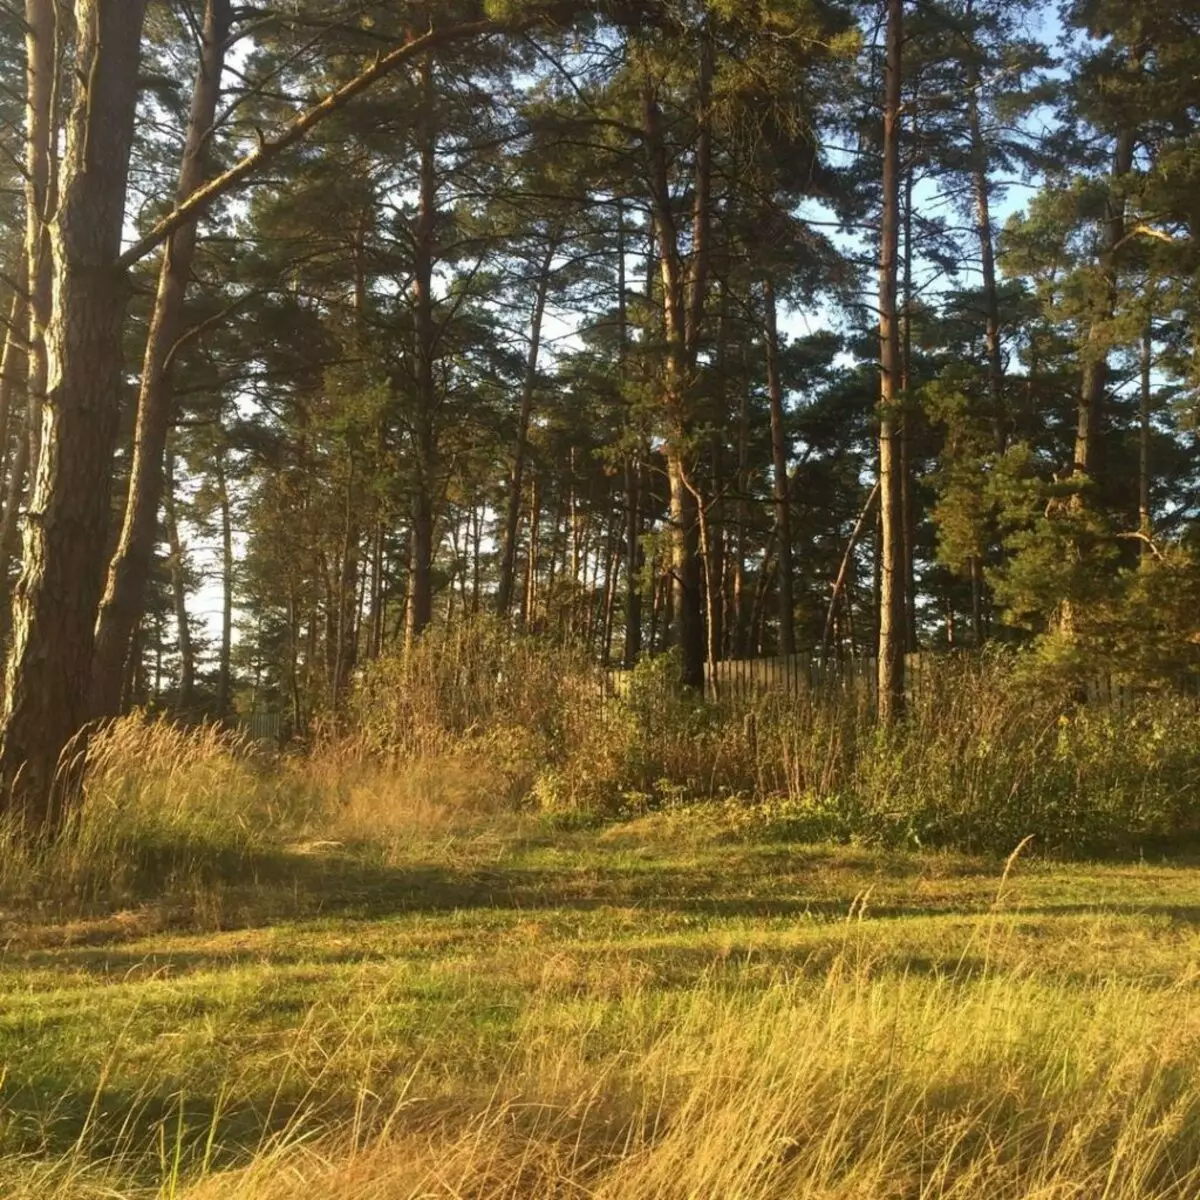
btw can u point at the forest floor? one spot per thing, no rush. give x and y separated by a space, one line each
655 1008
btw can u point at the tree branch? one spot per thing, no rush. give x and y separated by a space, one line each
270 148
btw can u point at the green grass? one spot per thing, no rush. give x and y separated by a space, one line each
486 1006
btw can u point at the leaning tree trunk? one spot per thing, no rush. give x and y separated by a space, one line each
129 572
54 613
892 634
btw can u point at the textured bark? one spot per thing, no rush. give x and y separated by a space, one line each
346 608
379 590
129 571
891 565
17 468
16 337
40 198
14 493
48 685
516 475
779 483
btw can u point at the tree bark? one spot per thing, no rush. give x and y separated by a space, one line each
129 570
16 468
780 489
48 687
16 338
890 662
908 414
41 73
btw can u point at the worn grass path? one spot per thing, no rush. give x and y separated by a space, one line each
487 977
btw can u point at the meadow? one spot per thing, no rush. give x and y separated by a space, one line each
436 997
448 970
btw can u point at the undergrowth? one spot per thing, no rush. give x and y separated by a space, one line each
990 750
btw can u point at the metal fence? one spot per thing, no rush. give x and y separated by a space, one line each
800 675
262 727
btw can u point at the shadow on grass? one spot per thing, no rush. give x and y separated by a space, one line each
227 890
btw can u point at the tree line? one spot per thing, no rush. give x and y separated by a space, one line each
741 327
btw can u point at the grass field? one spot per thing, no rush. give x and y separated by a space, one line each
486 1006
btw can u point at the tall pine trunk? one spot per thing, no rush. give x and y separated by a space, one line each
981 187
41 128
225 660
129 571
892 634
48 688
420 601
685 287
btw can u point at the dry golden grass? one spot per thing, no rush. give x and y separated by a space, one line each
278 979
